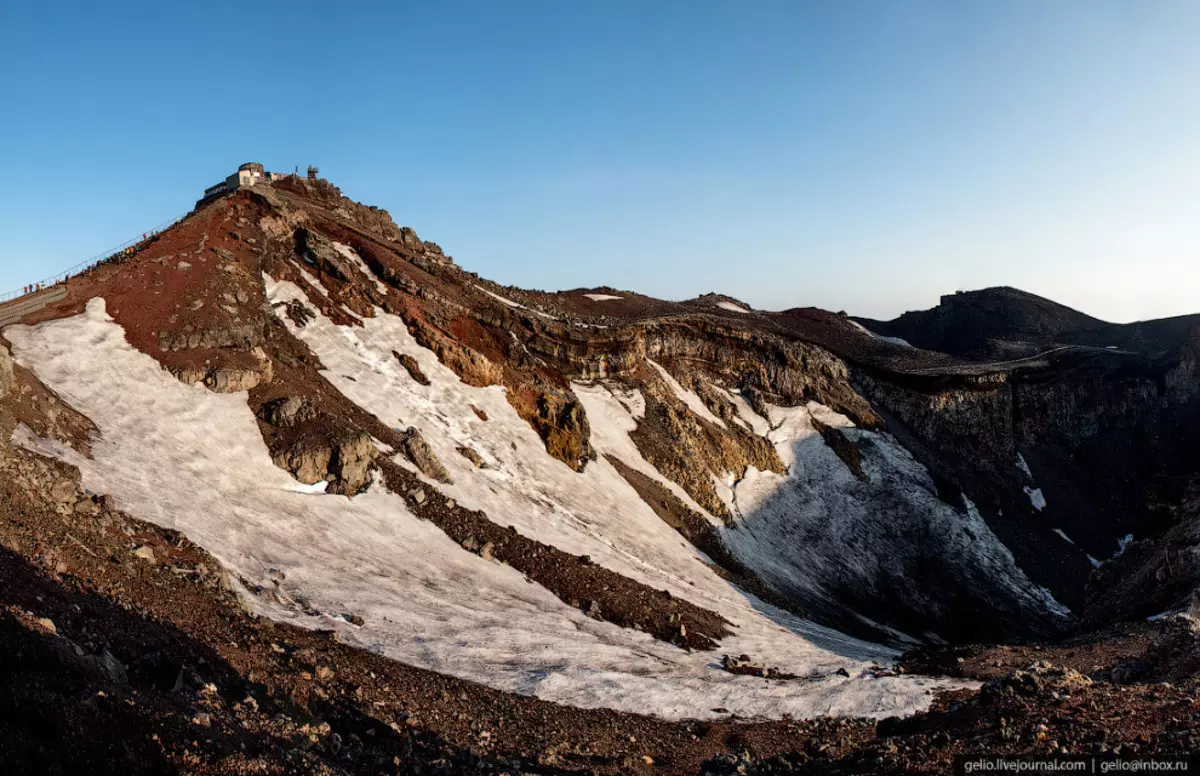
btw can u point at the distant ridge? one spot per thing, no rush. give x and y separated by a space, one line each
1003 322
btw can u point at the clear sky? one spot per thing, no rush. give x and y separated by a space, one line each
866 156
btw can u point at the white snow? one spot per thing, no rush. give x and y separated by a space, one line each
1035 497
499 298
732 307
693 402
1068 539
755 422
873 335
515 305
357 261
603 297
195 461
1176 612
630 399
818 526
1122 543
311 279
612 416
1023 466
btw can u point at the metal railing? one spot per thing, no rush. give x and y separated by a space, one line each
113 253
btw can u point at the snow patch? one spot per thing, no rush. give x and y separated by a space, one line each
818 528
873 335
515 305
603 297
694 402
499 298
1023 466
357 261
1095 563
732 307
1035 497
311 279
1122 543
755 422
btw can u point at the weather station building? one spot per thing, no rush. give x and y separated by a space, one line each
248 174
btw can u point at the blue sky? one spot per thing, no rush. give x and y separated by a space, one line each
866 156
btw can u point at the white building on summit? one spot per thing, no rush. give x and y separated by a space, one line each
249 174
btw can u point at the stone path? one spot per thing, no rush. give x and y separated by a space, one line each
11 312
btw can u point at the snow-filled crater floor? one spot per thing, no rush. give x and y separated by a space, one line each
192 460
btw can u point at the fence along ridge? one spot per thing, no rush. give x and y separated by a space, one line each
53 279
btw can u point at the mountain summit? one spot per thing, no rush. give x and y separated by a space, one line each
287 459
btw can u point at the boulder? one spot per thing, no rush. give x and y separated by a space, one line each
414 369
298 313
353 456
562 424
287 412
417 450
63 491
343 459
471 456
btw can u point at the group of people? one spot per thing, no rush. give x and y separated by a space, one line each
116 258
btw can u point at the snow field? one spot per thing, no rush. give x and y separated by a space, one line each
192 460
818 525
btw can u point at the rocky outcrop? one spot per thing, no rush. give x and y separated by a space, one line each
1035 679
298 313
563 426
842 446
417 450
413 368
475 458
1104 440
318 251
692 451
560 421
287 412
366 218
6 372
244 336
235 374
471 366
783 371
1153 574
342 458
1182 381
